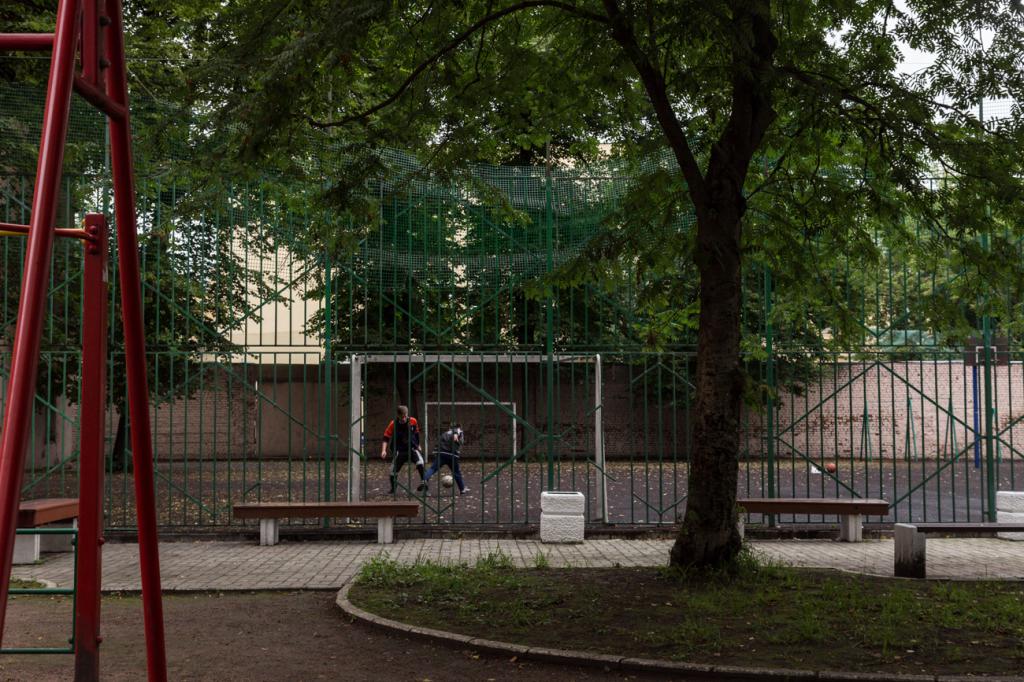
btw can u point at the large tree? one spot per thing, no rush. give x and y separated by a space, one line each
793 132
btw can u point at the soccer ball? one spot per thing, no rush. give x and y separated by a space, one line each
447 481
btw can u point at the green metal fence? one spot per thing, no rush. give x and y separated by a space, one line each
276 363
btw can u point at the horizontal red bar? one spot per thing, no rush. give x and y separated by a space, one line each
26 41
99 99
60 231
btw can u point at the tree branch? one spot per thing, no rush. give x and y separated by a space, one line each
451 46
752 111
657 91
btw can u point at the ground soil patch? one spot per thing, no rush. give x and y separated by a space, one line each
764 617
270 636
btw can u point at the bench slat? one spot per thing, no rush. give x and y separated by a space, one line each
800 505
33 513
299 510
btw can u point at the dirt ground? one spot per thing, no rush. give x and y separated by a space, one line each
257 636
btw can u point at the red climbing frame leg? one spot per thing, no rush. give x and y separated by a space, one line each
135 349
21 385
90 459
109 95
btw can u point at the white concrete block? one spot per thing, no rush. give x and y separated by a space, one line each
851 528
909 556
1010 501
269 531
561 528
26 549
1010 517
58 543
563 502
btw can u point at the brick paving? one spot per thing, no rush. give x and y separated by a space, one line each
208 565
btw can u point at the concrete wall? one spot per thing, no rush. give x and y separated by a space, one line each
900 410
278 412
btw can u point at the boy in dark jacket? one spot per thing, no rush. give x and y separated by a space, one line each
447 454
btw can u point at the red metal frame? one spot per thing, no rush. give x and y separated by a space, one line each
90 458
96 27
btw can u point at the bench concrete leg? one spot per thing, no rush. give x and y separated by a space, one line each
269 531
741 527
58 543
385 530
26 549
851 528
909 552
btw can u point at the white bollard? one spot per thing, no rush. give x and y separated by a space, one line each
1010 501
562 516
1010 509
909 552
1010 517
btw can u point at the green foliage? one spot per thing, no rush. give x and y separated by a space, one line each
836 193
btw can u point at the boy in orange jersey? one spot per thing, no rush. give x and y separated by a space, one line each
403 435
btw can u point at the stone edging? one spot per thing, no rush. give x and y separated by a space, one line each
583 658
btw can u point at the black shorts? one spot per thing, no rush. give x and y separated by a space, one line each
401 457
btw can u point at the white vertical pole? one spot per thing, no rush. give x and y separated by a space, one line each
602 488
355 426
515 434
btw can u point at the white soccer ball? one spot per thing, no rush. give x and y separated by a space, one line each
447 481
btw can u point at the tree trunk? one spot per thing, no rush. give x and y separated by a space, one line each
708 536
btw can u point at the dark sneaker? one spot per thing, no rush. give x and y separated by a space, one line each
421 487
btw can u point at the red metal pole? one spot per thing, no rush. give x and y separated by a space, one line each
91 41
135 350
27 42
60 231
90 459
21 386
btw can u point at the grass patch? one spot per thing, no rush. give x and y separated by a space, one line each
19 584
755 614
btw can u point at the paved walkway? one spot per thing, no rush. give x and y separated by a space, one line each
205 565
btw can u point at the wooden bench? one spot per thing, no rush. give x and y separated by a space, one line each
909 554
271 513
42 512
851 512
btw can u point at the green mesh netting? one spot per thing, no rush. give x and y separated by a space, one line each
482 228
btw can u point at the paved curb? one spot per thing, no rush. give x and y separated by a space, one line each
584 658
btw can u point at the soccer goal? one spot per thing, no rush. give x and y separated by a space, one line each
481 388
442 413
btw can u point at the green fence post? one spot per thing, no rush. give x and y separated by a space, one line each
549 323
328 371
986 333
770 378
990 472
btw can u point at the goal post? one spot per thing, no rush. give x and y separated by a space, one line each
421 363
510 406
